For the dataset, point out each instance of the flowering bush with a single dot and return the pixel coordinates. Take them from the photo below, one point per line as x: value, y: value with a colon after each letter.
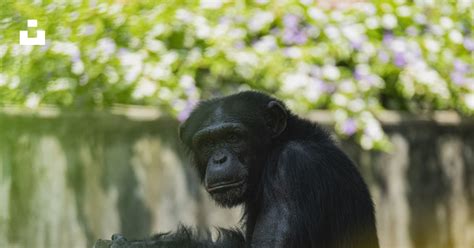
x: 405, y: 55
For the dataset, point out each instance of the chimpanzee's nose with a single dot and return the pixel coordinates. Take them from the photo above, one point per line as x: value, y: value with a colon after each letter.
x: 219, y: 158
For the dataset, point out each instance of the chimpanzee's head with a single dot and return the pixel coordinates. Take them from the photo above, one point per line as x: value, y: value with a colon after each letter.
x: 230, y: 139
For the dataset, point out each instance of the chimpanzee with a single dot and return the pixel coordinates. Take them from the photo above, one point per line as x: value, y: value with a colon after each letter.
x: 297, y: 187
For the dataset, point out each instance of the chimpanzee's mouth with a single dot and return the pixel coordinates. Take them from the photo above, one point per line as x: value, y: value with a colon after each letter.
x: 222, y: 186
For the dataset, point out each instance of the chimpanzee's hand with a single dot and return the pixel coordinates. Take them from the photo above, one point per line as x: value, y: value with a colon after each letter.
x: 118, y: 241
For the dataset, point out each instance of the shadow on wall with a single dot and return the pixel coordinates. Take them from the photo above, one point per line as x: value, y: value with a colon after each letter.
x: 70, y: 179
x: 424, y: 188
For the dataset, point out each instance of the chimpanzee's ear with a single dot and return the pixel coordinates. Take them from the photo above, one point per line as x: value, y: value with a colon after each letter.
x: 276, y: 117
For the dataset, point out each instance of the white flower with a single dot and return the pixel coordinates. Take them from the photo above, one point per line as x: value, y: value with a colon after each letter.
x: 437, y: 30
x: 389, y: 21
x: 469, y: 100
x: 403, y: 11
x: 211, y: 4
x: 317, y: 14
x: 186, y: 81
x: 157, y: 71
x: 373, y: 129
x: 144, y: 88
x: 456, y: 36
x: 244, y: 58
x: 332, y: 32
x: 265, y: 44
x: 368, y: 8
x: 32, y: 100
x: 77, y: 67
x: 202, y: 27
x: 446, y: 22
x: 353, y: 31
x: 169, y: 58
x: 132, y: 63
x: 3, y: 79
x: 294, y: 81
x: 366, y: 142
x: 184, y: 15
x: 356, y: 105
x: 66, y: 48
x: 306, y: 2
x: 336, y: 15
x: 87, y: 29
x: 293, y: 52
x: 331, y: 72
x: 59, y: 84
x: 420, y: 19
x: 312, y: 91
x: 14, y: 82
x: 347, y: 86
x: 154, y: 45
x: 372, y: 22
x: 432, y: 45
x: 398, y: 45
x: 340, y: 99
x: 259, y: 20
x: 340, y: 115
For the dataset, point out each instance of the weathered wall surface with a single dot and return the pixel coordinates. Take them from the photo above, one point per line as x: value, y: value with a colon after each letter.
x: 70, y: 179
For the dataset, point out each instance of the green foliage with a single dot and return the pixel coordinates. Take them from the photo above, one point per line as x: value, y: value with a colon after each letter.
x: 354, y: 61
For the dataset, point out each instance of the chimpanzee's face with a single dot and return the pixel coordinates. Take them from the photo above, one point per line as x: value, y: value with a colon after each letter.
x: 229, y: 142
x: 221, y: 149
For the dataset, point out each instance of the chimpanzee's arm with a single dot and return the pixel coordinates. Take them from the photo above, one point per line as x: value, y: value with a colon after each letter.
x: 183, y: 238
x: 272, y: 228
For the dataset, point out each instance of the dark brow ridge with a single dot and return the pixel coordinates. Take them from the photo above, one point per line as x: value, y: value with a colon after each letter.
x: 218, y: 129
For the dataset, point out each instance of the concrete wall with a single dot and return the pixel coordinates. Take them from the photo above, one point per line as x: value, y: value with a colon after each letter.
x: 67, y: 179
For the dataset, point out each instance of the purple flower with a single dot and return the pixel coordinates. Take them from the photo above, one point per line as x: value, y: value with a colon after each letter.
x: 412, y: 31
x: 384, y: 56
x: 349, y: 127
x: 460, y: 71
x: 183, y: 115
x: 327, y: 87
x: 387, y: 38
x: 274, y: 31
x: 358, y: 75
x: 89, y: 29
x: 469, y: 44
x: 291, y: 21
x: 225, y: 20
x: 76, y: 58
x: 461, y: 67
x: 458, y: 78
x: 239, y: 45
x: 357, y: 41
x: 399, y: 59
x: 294, y: 37
x: 292, y: 34
x: 356, y: 44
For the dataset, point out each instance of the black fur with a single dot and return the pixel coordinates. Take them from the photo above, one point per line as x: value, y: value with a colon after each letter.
x: 299, y: 190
